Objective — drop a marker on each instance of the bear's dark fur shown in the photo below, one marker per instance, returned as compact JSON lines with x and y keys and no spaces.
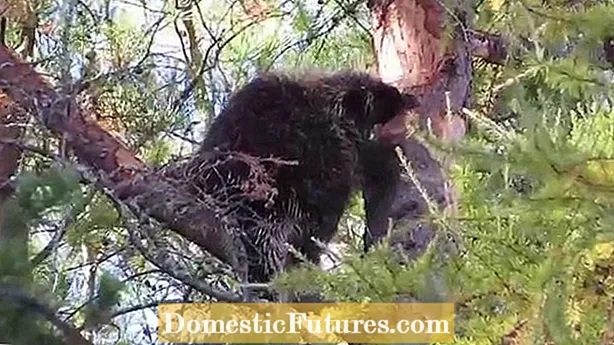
{"x":319,"y":121}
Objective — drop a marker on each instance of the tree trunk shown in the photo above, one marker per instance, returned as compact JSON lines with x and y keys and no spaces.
{"x":415,"y":54}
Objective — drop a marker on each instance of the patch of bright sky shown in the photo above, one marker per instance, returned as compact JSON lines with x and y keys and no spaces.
{"x":167,"y":43}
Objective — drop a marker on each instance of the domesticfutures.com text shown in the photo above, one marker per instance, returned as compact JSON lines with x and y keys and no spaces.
{"x":298,"y":322}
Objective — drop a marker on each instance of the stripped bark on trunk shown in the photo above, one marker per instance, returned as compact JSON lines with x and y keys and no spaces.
{"x":424,"y":50}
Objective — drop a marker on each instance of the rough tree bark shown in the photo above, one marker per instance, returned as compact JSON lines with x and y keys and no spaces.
{"x":414,"y":52}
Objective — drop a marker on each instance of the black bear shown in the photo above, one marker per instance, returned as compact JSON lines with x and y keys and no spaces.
{"x":316,"y":121}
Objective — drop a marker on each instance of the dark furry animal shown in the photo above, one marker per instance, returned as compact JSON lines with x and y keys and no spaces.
{"x":318,"y":121}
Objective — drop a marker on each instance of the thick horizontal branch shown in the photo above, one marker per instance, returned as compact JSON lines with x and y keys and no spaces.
{"x":154,"y":193}
{"x":90,"y":142}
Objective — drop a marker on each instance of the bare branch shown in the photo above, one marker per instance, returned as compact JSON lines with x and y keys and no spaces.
{"x":143,"y":306}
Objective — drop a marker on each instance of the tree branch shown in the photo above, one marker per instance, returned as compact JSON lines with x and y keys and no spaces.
{"x":12,"y":119}
{"x":196,"y":284}
{"x":70,"y":334}
{"x":156,"y":194}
